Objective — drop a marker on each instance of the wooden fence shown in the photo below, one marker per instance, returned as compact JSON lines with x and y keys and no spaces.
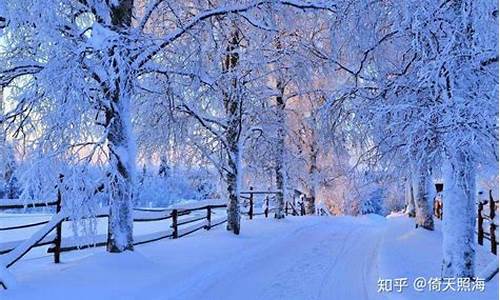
{"x":292,"y":209}
{"x":249,"y":198}
{"x":184,"y":221}
{"x":296,"y":207}
{"x":486,"y":215}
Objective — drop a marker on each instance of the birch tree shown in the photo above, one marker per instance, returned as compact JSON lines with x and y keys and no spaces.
{"x":280,"y":144}
{"x":232,"y":105}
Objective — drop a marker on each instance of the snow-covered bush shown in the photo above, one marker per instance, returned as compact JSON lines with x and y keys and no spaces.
{"x":9,"y":187}
{"x":373,"y":204}
{"x":180,"y":185}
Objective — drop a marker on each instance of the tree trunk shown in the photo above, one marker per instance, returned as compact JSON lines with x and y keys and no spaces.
{"x":8,"y":182}
{"x":232,"y":106}
{"x":120,"y":140}
{"x":459,"y":201}
{"x":164,"y":169}
{"x":2,"y":127}
{"x":459,"y":218}
{"x":423,"y":198}
{"x":233,"y":188}
{"x":410,"y":198}
{"x":122,"y":163}
{"x":279,"y":212}
{"x":310,"y":204}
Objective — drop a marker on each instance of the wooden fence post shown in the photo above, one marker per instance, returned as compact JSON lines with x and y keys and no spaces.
{"x":493,"y":238}
{"x":175,"y":232}
{"x":266,"y":209}
{"x":209,"y":217}
{"x":302,"y":208}
{"x":250,"y":210}
{"x":480,"y":230}
{"x":58,"y":240}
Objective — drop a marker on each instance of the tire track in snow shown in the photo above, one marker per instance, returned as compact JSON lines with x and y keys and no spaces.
{"x":356,"y":264}
{"x":331,"y":268}
{"x":311,"y":261}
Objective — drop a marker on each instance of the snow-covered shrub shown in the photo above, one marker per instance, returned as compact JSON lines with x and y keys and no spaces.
{"x":373,"y":202}
{"x":394,"y":199}
{"x":9,"y":187}
{"x":179,"y":185}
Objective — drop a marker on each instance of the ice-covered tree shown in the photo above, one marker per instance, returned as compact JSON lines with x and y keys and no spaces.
{"x":99,"y":54}
{"x":466,"y":77}
{"x":421,"y":87}
{"x":236,"y":62}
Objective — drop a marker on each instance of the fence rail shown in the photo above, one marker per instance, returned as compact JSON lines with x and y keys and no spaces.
{"x":486,"y":215}
{"x":184,"y":221}
{"x":60,"y":245}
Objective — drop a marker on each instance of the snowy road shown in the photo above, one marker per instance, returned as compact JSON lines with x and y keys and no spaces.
{"x":310,"y":262}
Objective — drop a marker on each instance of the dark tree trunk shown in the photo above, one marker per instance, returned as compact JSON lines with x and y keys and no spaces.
{"x":310,"y":203}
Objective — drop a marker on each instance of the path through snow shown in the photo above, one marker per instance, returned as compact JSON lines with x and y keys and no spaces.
{"x":310,"y":262}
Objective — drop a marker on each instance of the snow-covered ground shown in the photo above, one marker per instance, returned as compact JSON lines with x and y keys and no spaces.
{"x":294,"y":258}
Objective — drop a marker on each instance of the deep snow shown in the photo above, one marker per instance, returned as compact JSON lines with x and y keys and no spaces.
{"x":294,"y":258}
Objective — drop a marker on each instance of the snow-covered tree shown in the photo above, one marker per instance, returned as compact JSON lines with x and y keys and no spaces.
{"x":422,"y":87}
{"x":468,"y":87}
{"x":99,"y":54}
